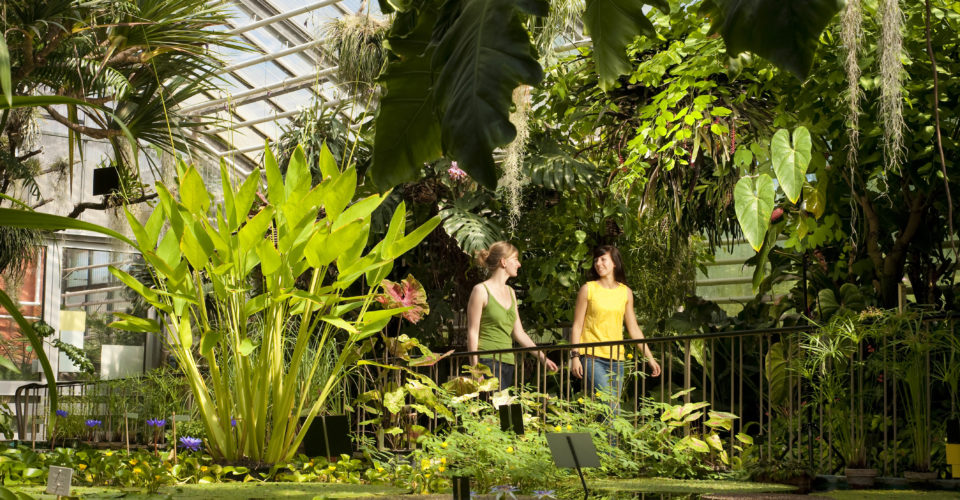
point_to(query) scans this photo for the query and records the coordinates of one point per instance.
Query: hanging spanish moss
(851, 31)
(357, 41)
(891, 79)
(513, 179)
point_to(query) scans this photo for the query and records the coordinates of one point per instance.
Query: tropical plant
(454, 69)
(124, 67)
(913, 350)
(203, 268)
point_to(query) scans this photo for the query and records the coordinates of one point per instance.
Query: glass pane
(27, 290)
(90, 296)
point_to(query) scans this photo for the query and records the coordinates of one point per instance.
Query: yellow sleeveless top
(604, 319)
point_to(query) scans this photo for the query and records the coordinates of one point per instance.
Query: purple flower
(503, 488)
(62, 413)
(191, 443)
(233, 421)
(455, 172)
(93, 423)
(157, 422)
(543, 494)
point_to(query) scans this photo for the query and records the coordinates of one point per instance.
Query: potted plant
(913, 359)
(834, 356)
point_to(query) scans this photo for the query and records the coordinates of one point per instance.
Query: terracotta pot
(860, 478)
(919, 477)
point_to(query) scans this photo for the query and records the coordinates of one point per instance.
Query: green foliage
(254, 365)
(790, 160)
(753, 199)
(441, 87)
(438, 95)
(128, 66)
(786, 33)
(612, 25)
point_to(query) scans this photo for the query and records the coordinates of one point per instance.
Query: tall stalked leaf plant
(235, 319)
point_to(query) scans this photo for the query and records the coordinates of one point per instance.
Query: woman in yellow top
(604, 305)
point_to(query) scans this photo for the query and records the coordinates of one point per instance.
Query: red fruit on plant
(776, 215)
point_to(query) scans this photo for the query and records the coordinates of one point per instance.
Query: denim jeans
(503, 371)
(603, 375)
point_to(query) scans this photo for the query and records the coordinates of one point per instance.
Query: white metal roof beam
(257, 121)
(271, 57)
(282, 16)
(265, 92)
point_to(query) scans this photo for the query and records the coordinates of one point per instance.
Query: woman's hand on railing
(654, 368)
(576, 368)
(551, 366)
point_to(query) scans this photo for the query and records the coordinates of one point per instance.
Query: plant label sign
(58, 481)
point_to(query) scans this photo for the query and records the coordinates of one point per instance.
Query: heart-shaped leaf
(790, 160)
(753, 201)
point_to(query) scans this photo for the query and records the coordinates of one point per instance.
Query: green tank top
(496, 326)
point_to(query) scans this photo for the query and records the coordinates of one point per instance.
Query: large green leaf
(753, 201)
(785, 32)
(407, 127)
(13, 217)
(483, 56)
(790, 160)
(849, 299)
(612, 25)
(6, 85)
(472, 231)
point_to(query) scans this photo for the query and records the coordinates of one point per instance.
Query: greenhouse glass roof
(289, 69)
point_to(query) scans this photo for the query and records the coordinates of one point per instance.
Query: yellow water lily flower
(81, 466)
(137, 470)
(331, 468)
(443, 445)
(569, 427)
(204, 468)
(424, 464)
(558, 428)
(509, 449)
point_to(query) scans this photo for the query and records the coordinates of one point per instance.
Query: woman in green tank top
(492, 319)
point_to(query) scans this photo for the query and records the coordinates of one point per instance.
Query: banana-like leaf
(13, 217)
(785, 32)
(612, 25)
(483, 56)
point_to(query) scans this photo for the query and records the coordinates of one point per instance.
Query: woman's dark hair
(618, 273)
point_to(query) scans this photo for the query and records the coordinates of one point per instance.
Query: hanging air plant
(513, 179)
(891, 82)
(357, 41)
(851, 33)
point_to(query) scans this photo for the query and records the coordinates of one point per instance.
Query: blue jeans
(603, 375)
(503, 371)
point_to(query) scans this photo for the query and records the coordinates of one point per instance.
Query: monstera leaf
(483, 56)
(783, 31)
(473, 231)
(612, 25)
